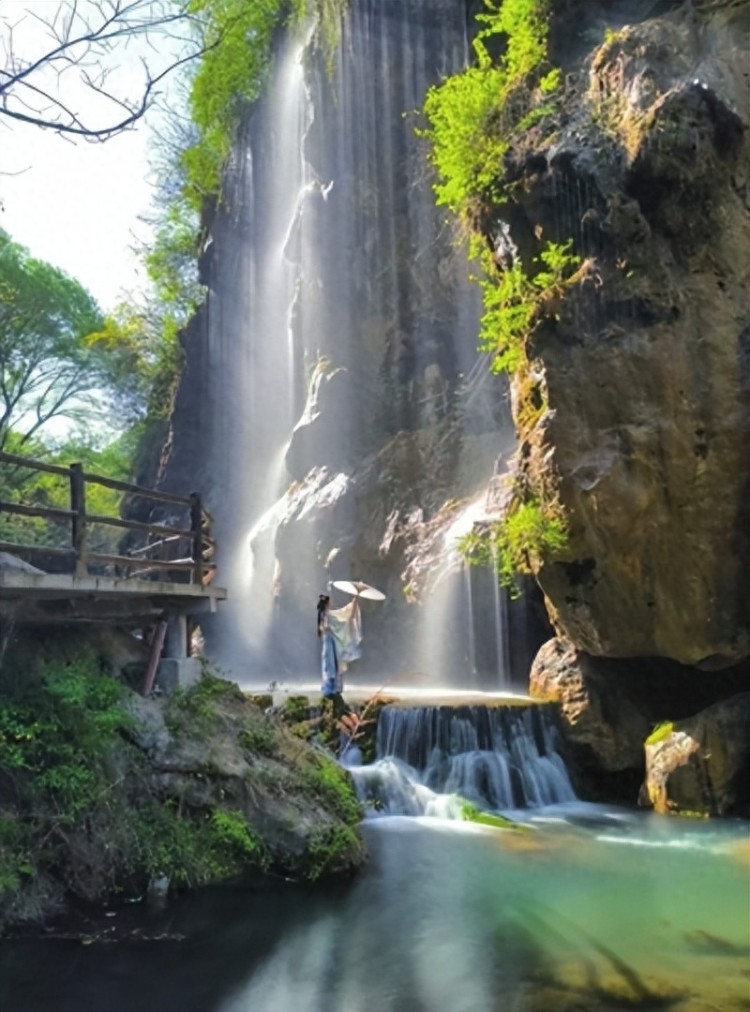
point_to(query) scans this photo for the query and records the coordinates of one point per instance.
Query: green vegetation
(528, 534)
(295, 709)
(231, 832)
(55, 734)
(17, 865)
(60, 357)
(192, 850)
(21, 485)
(77, 807)
(660, 732)
(326, 848)
(57, 729)
(237, 37)
(473, 120)
(611, 36)
(258, 737)
(332, 784)
(514, 304)
(195, 706)
(472, 116)
(84, 811)
(263, 700)
(470, 813)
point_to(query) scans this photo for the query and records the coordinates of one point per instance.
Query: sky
(78, 204)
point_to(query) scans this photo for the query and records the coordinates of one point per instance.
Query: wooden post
(157, 642)
(78, 508)
(196, 526)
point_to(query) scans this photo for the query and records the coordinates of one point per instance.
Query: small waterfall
(470, 631)
(433, 759)
(463, 634)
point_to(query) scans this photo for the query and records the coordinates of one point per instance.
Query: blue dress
(341, 638)
(329, 664)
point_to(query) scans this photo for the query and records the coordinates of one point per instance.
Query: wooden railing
(165, 548)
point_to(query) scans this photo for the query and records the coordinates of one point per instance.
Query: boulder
(147, 728)
(602, 729)
(701, 765)
(596, 713)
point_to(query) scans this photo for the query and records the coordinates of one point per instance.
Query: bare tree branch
(50, 62)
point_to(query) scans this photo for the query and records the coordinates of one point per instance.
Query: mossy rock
(262, 700)
(295, 709)
(198, 787)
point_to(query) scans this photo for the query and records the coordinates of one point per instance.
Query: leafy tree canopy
(59, 356)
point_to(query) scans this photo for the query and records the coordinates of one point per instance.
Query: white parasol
(359, 589)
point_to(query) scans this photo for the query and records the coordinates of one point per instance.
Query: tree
(107, 58)
(59, 357)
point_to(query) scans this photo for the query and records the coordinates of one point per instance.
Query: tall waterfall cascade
(434, 759)
(339, 340)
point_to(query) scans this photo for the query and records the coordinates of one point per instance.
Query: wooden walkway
(56, 573)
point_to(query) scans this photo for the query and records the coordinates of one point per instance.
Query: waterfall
(429, 758)
(336, 385)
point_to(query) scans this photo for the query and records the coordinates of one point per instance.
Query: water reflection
(595, 909)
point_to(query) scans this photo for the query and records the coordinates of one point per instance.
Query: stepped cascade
(433, 759)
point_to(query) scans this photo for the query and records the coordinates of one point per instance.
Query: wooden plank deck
(60, 597)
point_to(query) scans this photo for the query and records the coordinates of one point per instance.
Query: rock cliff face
(333, 398)
(636, 409)
(645, 372)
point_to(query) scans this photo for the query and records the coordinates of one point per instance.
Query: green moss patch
(470, 813)
(660, 733)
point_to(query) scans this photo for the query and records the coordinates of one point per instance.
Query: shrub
(195, 705)
(191, 849)
(472, 116)
(516, 544)
(515, 302)
(328, 847)
(258, 736)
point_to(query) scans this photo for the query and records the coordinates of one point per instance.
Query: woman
(340, 635)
